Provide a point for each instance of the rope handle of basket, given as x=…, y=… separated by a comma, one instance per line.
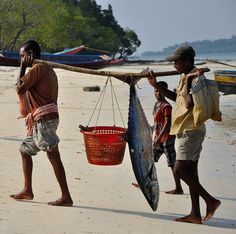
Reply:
x=113, y=94
x=101, y=99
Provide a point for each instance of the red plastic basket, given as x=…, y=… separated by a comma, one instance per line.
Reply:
x=104, y=145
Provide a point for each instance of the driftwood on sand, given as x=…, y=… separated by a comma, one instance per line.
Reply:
x=123, y=76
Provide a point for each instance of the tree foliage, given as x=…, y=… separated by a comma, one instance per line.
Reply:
x=60, y=24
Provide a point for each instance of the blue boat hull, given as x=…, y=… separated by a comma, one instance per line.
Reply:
x=85, y=61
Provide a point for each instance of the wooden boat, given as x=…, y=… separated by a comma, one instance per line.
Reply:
x=96, y=61
x=5, y=61
x=84, y=50
x=226, y=80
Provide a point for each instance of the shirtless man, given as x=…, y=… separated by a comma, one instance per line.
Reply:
x=38, y=91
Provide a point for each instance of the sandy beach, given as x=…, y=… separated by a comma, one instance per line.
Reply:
x=105, y=201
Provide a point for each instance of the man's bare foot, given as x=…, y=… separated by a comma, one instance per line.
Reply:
x=190, y=219
x=211, y=209
x=175, y=191
x=23, y=196
x=62, y=202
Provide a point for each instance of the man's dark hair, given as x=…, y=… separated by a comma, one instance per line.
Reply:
x=163, y=84
x=34, y=46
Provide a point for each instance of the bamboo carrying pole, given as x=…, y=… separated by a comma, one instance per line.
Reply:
x=123, y=76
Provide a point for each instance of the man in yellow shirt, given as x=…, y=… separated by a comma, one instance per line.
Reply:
x=189, y=137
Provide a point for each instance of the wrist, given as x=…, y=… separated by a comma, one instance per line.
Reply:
x=23, y=66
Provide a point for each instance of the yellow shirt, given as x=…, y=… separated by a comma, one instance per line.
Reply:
x=182, y=118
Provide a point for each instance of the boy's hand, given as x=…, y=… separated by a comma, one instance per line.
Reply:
x=156, y=142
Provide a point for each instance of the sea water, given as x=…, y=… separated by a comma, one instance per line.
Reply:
x=217, y=56
x=229, y=56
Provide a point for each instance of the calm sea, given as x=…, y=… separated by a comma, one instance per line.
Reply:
x=199, y=57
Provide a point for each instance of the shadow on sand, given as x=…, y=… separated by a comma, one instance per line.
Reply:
x=214, y=222
x=10, y=139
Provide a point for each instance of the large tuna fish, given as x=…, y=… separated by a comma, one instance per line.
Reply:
x=139, y=139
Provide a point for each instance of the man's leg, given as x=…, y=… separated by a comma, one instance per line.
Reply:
x=169, y=150
x=190, y=168
x=193, y=171
x=182, y=168
x=27, y=192
x=55, y=159
x=178, y=188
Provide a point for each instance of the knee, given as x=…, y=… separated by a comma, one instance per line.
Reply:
x=53, y=155
x=179, y=171
x=24, y=154
x=176, y=171
x=50, y=157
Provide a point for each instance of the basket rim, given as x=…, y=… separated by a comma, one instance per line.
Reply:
x=90, y=130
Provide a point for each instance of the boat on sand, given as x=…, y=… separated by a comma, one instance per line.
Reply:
x=91, y=61
x=226, y=80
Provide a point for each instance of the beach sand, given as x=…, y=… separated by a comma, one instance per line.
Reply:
x=105, y=201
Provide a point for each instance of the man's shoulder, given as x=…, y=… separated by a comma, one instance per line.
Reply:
x=41, y=66
x=43, y=70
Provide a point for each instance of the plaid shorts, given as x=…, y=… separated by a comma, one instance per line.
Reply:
x=168, y=148
x=44, y=137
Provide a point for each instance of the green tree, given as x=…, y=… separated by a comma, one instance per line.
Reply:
x=60, y=24
x=54, y=31
x=130, y=43
x=126, y=41
x=16, y=18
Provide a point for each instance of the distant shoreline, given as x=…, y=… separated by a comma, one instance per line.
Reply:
x=200, y=57
x=223, y=45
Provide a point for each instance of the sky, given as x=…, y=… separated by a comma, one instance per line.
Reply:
x=163, y=23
